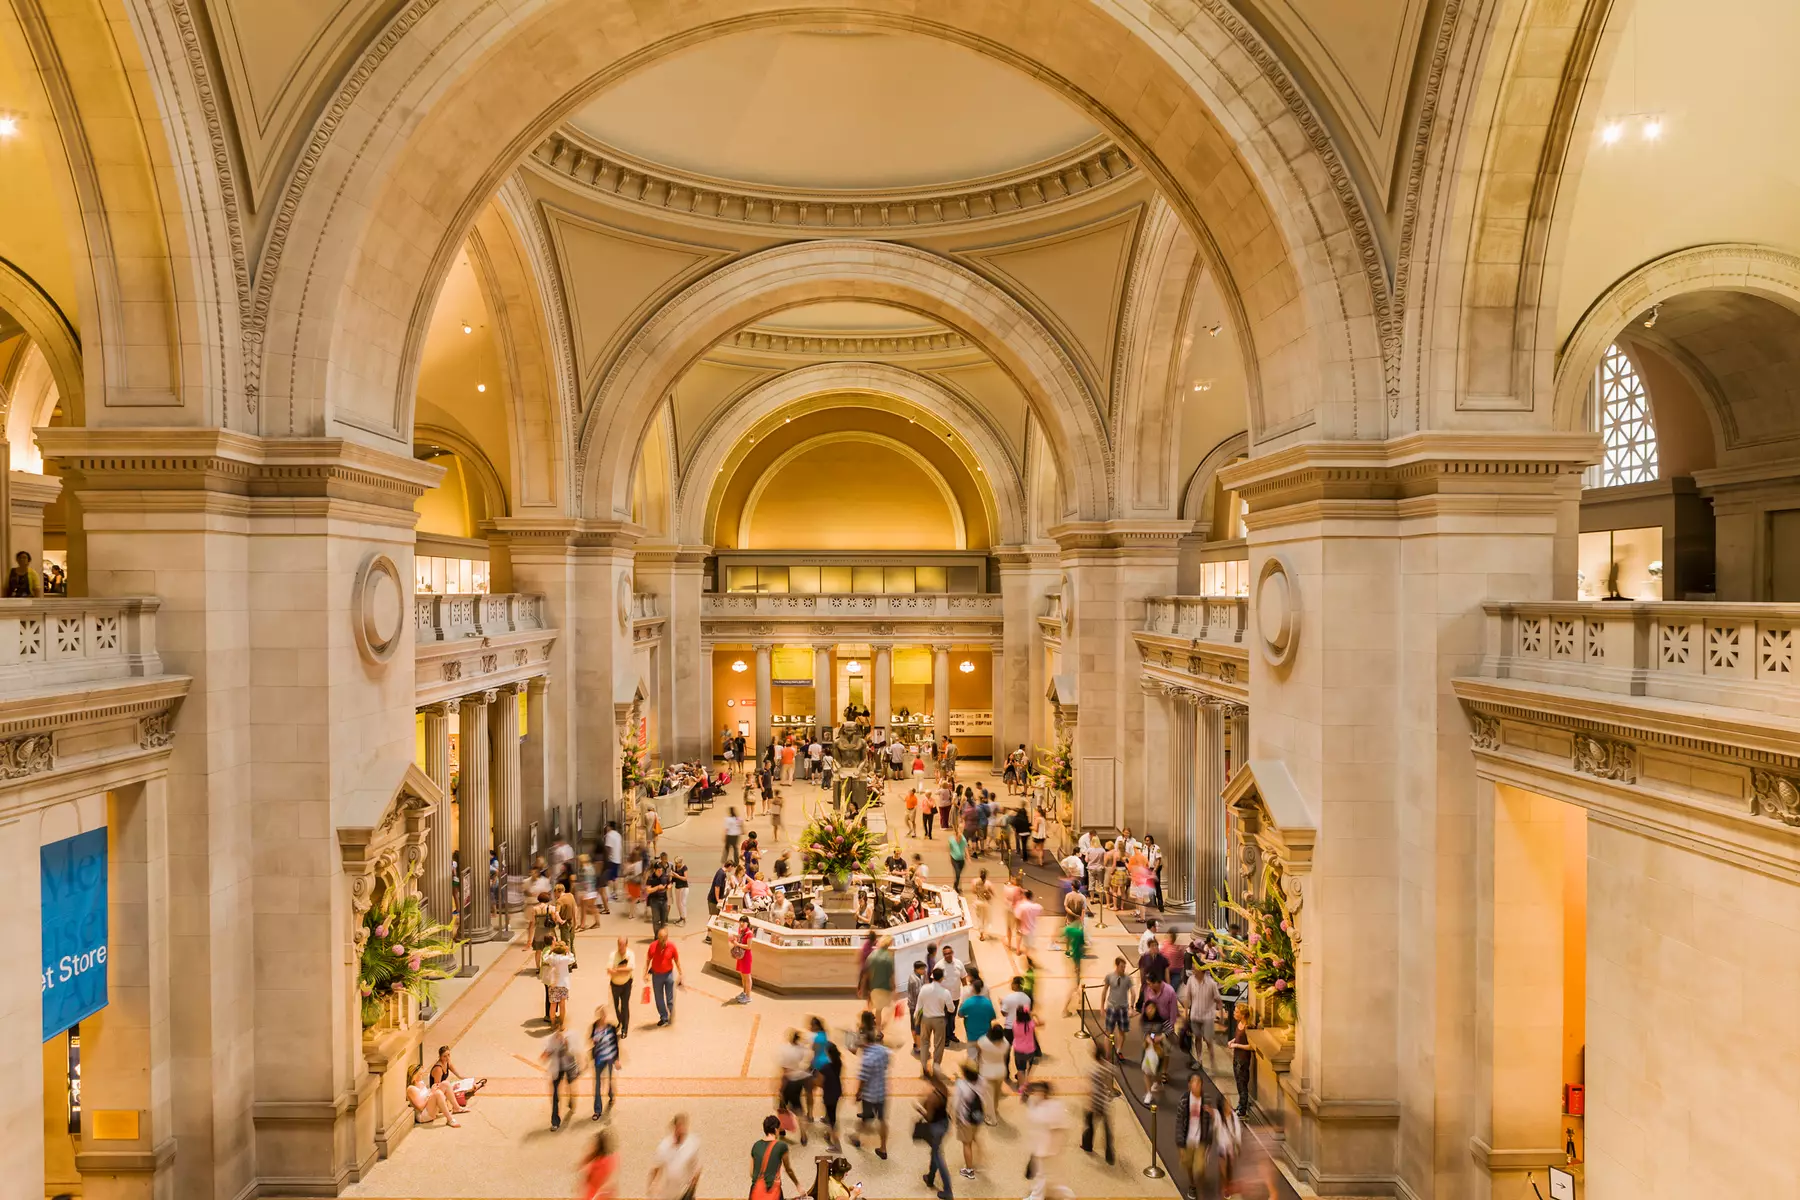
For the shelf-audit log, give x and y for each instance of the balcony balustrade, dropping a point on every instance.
(1743, 655)
(921, 605)
(52, 642)
(1198, 618)
(448, 618)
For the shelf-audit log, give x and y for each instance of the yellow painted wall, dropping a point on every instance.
(973, 690)
(851, 496)
(449, 508)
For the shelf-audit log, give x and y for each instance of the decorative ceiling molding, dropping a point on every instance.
(847, 345)
(598, 168)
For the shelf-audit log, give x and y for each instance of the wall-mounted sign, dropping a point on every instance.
(1562, 1184)
(72, 883)
(791, 666)
(971, 722)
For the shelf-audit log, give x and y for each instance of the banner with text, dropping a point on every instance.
(970, 722)
(72, 882)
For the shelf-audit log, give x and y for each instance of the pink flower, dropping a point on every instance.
(1286, 928)
(1255, 938)
(399, 950)
(415, 962)
(1281, 985)
(381, 929)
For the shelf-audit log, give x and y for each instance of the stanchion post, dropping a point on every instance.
(1081, 1032)
(1153, 1171)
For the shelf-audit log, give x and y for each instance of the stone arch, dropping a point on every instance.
(840, 384)
(493, 491)
(1153, 336)
(448, 96)
(925, 465)
(1762, 271)
(1198, 499)
(49, 330)
(760, 284)
(512, 266)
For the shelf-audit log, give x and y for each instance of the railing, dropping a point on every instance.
(921, 605)
(1053, 606)
(55, 641)
(451, 617)
(1668, 649)
(1198, 618)
(645, 606)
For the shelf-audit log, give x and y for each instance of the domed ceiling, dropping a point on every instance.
(838, 111)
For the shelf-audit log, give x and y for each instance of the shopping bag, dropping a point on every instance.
(645, 998)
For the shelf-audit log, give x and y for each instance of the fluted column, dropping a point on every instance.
(474, 830)
(1238, 740)
(509, 809)
(1184, 879)
(940, 689)
(881, 710)
(1210, 752)
(439, 868)
(824, 711)
(534, 756)
(709, 747)
(765, 696)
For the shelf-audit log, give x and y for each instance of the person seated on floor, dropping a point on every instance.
(429, 1103)
(462, 1089)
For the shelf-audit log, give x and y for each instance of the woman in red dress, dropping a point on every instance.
(740, 953)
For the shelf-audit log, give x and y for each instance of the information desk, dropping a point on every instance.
(826, 960)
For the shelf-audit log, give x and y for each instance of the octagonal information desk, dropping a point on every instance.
(826, 960)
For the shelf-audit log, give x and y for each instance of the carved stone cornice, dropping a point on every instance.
(533, 535)
(574, 158)
(167, 469)
(1140, 536)
(444, 673)
(1382, 478)
(1218, 672)
(757, 340)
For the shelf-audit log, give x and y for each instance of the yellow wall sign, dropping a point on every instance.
(791, 665)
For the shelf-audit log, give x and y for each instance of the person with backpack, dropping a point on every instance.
(968, 1104)
(564, 1069)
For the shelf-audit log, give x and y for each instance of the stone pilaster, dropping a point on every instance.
(882, 710)
(676, 574)
(1370, 563)
(474, 814)
(1206, 749)
(822, 700)
(508, 795)
(534, 755)
(703, 718)
(1026, 577)
(439, 865)
(765, 695)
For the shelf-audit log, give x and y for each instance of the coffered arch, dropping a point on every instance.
(761, 284)
(371, 218)
(843, 384)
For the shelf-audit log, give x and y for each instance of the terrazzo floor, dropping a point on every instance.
(717, 1063)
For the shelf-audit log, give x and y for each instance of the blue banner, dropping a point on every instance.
(72, 876)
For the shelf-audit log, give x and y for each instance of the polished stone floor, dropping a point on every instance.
(717, 1063)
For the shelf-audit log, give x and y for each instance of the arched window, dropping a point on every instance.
(1622, 418)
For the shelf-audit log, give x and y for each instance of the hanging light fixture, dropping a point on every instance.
(965, 666)
(740, 666)
(853, 667)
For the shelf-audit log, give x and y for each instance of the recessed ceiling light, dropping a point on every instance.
(1612, 132)
(481, 387)
(468, 328)
(9, 125)
(1214, 329)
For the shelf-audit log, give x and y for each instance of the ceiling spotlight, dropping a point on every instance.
(1652, 128)
(468, 328)
(9, 125)
(1203, 385)
(853, 668)
(740, 666)
(1612, 132)
(965, 666)
(785, 420)
(481, 387)
(1214, 329)
(1655, 312)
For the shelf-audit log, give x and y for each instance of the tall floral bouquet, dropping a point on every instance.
(632, 774)
(1061, 777)
(399, 956)
(836, 842)
(1263, 956)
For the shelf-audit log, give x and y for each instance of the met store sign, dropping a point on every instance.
(72, 876)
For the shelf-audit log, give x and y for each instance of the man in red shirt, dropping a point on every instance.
(664, 963)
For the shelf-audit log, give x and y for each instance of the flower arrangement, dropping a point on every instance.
(399, 955)
(835, 842)
(1263, 956)
(632, 775)
(1062, 768)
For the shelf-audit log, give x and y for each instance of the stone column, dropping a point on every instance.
(474, 830)
(822, 701)
(709, 744)
(1207, 752)
(765, 696)
(1238, 742)
(439, 867)
(997, 668)
(509, 809)
(940, 689)
(1024, 578)
(881, 711)
(534, 757)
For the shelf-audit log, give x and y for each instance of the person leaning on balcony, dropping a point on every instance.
(23, 581)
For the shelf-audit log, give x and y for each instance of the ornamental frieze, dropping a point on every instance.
(1604, 758)
(32, 754)
(1776, 797)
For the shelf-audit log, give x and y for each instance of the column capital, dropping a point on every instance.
(488, 697)
(538, 684)
(443, 708)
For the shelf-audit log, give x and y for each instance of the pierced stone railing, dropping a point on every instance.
(1198, 618)
(447, 618)
(951, 606)
(1747, 655)
(58, 641)
(645, 606)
